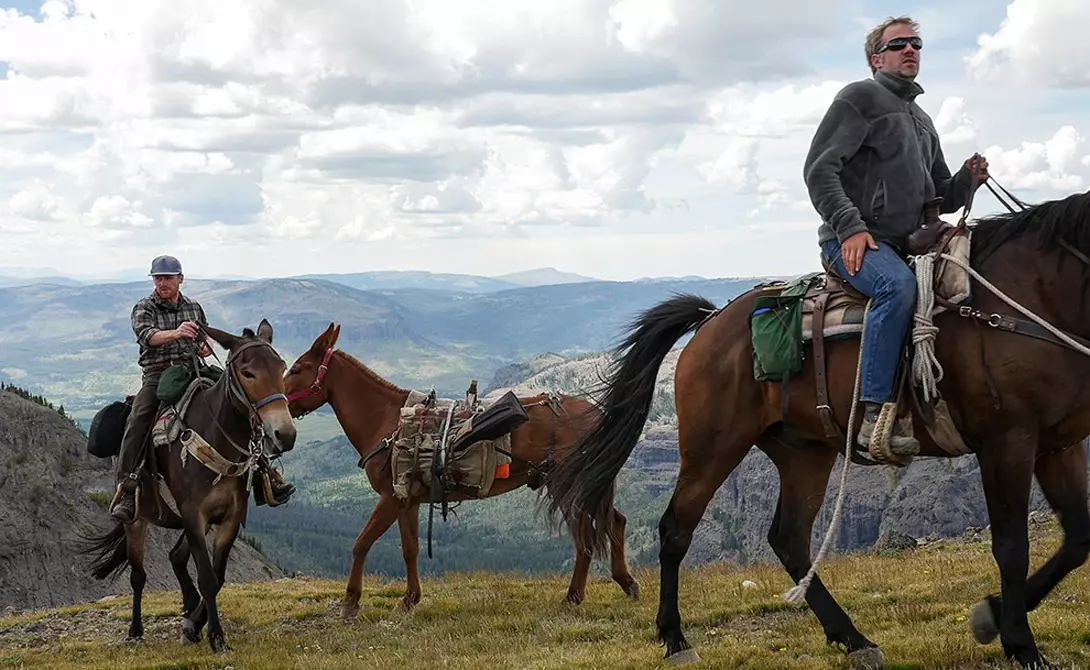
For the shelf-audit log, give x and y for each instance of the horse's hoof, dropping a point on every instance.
(218, 643)
(684, 657)
(1031, 661)
(408, 602)
(573, 598)
(349, 611)
(632, 590)
(190, 633)
(983, 623)
(870, 658)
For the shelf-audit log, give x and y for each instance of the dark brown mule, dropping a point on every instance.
(368, 408)
(244, 410)
(1038, 257)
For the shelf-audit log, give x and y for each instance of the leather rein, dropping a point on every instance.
(1011, 324)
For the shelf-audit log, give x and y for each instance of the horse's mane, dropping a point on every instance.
(369, 372)
(1054, 222)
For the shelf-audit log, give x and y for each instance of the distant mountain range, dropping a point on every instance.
(11, 277)
(74, 344)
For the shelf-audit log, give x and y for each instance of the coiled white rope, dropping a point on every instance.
(926, 369)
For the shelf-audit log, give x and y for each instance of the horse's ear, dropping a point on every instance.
(326, 340)
(265, 331)
(222, 338)
(336, 334)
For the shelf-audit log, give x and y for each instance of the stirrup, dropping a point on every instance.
(880, 447)
(263, 493)
(118, 493)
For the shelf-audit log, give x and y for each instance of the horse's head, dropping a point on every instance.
(303, 382)
(255, 377)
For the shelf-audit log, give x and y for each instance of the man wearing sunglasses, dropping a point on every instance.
(874, 166)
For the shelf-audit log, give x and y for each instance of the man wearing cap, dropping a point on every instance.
(166, 327)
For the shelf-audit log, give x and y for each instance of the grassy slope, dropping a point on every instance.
(915, 605)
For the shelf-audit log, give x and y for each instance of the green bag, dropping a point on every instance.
(775, 324)
(173, 383)
(177, 378)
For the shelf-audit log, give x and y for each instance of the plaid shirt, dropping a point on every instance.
(153, 314)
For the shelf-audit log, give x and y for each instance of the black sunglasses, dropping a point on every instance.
(899, 43)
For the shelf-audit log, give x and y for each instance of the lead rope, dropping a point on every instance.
(797, 593)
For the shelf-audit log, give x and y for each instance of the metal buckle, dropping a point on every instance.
(965, 311)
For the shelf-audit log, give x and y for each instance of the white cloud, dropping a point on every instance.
(35, 202)
(320, 131)
(1039, 42)
(1052, 165)
(772, 113)
(953, 124)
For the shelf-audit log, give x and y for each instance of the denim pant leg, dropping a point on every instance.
(887, 279)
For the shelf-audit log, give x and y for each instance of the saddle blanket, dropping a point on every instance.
(845, 307)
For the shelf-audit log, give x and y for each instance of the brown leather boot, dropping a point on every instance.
(124, 509)
(900, 442)
(281, 489)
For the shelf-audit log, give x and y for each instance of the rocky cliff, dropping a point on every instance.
(51, 490)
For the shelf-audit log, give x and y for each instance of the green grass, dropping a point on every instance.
(914, 605)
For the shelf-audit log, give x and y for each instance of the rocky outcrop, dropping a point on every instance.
(51, 491)
(934, 498)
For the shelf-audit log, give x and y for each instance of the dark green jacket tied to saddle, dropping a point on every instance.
(177, 378)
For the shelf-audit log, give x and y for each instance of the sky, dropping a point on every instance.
(612, 138)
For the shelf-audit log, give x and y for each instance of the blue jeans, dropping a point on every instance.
(886, 278)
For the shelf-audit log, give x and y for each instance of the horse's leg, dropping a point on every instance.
(383, 516)
(226, 534)
(577, 589)
(179, 561)
(804, 478)
(1062, 477)
(1006, 470)
(134, 539)
(618, 563)
(408, 526)
(207, 584)
(705, 464)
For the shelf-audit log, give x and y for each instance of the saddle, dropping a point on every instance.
(830, 309)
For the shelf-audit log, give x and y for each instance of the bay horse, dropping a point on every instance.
(1019, 397)
(368, 409)
(236, 416)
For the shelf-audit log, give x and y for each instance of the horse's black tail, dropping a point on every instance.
(110, 552)
(581, 485)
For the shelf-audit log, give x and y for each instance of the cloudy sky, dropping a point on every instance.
(615, 138)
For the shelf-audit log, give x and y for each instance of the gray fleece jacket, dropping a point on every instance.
(874, 162)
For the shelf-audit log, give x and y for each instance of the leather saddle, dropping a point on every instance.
(832, 309)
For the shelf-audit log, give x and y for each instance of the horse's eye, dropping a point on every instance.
(248, 375)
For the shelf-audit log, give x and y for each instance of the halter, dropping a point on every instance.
(234, 386)
(316, 387)
(237, 394)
